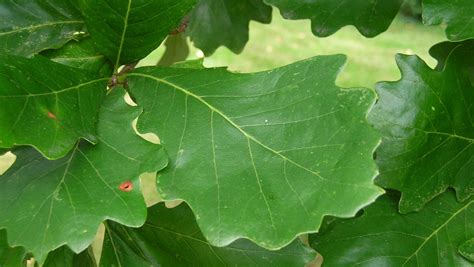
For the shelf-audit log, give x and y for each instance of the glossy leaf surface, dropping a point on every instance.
(31, 26)
(171, 237)
(426, 120)
(225, 23)
(10, 257)
(383, 237)
(49, 110)
(126, 31)
(64, 257)
(262, 156)
(457, 15)
(328, 16)
(83, 55)
(46, 204)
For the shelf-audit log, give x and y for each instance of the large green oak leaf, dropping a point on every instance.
(31, 26)
(46, 204)
(171, 237)
(383, 237)
(263, 156)
(128, 30)
(225, 23)
(370, 17)
(426, 120)
(456, 14)
(47, 105)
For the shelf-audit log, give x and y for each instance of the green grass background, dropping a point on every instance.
(369, 60)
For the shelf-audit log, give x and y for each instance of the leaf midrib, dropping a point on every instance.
(437, 230)
(122, 38)
(56, 92)
(247, 135)
(33, 27)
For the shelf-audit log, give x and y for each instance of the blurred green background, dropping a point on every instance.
(369, 60)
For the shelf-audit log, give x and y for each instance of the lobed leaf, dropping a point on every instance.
(426, 120)
(383, 237)
(457, 15)
(46, 204)
(171, 237)
(125, 32)
(328, 16)
(28, 27)
(263, 156)
(64, 257)
(10, 257)
(225, 23)
(49, 110)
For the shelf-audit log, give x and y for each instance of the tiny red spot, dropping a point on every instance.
(51, 115)
(126, 186)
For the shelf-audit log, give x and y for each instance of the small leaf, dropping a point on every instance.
(384, 237)
(171, 237)
(328, 16)
(263, 156)
(467, 249)
(426, 120)
(225, 23)
(47, 105)
(456, 14)
(64, 257)
(28, 27)
(127, 30)
(46, 204)
(83, 55)
(177, 50)
(10, 257)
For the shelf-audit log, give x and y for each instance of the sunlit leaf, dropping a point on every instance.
(263, 156)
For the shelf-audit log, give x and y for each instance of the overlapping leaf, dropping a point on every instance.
(46, 204)
(370, 17)
(171, 237)
(426, 120)
(457, 15)
(31, 26)
(64, 257)
(10, 257)
(384, 237)
(263, 156)
(49, 110)
(81, 54)
(225, 23)
(127, 30)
